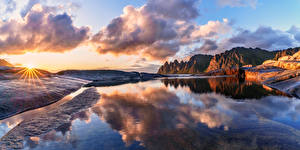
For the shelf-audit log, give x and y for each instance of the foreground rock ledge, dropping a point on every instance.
(47, 121)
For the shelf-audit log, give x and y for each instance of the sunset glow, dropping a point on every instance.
(72, 36)
(29, 66)
(149, 74)
(30, 74)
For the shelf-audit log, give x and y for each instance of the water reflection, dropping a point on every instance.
(160, 119)
(170, 114)
(230, 86)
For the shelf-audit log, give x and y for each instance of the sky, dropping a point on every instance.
(139, 35)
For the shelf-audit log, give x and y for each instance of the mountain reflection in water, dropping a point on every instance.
(198, 114)
(230, 86)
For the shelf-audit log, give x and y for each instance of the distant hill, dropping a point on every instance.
(4, 63)
(236, 57)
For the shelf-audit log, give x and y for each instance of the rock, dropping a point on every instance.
(238, 72)
(109, 77)
(196, 64)
(48, 120)
(234, 58)
(17, 96)
(285, 62)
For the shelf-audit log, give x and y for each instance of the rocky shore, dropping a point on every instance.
(48, 120)
(282, 74)
(20, 95)
(109, 77)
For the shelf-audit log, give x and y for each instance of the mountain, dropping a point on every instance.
(236, 57)
(196, 64)
(290, 52)
(4, 63)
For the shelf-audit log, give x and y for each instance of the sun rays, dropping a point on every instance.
(31, 75)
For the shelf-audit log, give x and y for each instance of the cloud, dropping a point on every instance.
(167, 111)
(208, 45)
(28, 7)
(263, 37)
(177, 9)
(237, 3)
(156, 30)
(295, 31)
(40, 31)
(7, 8)
(10, 6)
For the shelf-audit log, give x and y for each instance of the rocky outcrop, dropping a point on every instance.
(17, 96)
(45, 121)
(197, 64)
(238, 57)
(109, 77)
(237, 72)
(282, 74)
(286, 62)
(234, 58)
(288, 52)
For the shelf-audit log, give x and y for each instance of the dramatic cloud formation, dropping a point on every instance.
(41, 30)
(295, 31)
(177, 9)
(28, 7)
(208, 45)
(7, 8)
(263, 37)
(156, 30)
(237, 3)
(10, 5)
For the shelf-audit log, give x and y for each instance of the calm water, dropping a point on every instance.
(215, 113)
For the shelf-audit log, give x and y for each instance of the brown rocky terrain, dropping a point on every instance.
(234, 58)
(282, 74)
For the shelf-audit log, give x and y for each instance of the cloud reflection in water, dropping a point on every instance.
(158, 112)
(160, 116)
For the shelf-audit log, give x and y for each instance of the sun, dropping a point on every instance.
(29, 73)
(29, 66)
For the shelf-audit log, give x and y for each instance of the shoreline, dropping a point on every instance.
(19, 96)
(289, 86)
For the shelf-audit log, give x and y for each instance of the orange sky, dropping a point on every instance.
(80, 58)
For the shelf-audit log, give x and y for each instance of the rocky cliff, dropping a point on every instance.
(234, 58)
(197, 64)
(238, 57)
(287, 52)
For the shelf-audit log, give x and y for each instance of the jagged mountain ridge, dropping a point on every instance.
(196, 64)
(236, 57)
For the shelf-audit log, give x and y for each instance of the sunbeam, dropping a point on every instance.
(31, 75)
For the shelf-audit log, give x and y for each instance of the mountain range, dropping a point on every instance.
(236, 57)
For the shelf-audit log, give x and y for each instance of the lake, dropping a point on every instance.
(175, 113)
